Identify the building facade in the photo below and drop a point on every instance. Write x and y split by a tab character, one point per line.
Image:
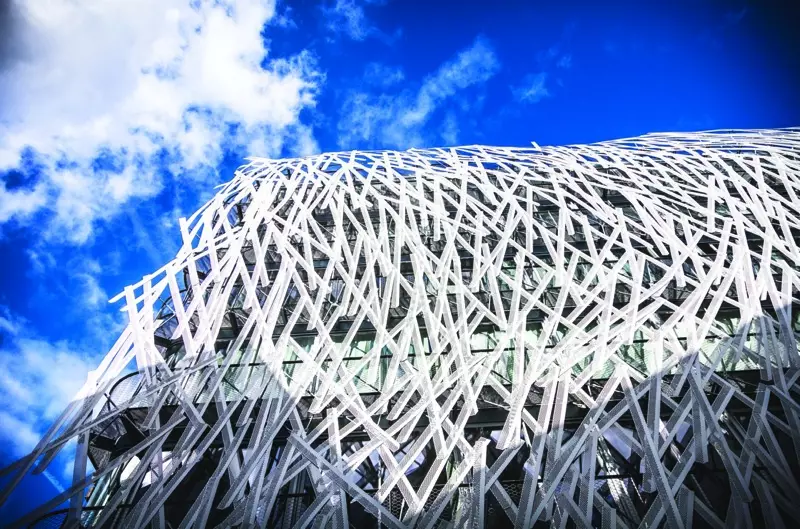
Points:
585	336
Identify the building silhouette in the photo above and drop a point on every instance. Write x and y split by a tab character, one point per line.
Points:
586	336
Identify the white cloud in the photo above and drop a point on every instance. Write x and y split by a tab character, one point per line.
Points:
400	119
450	129
76	281
37	380
532	89
284	19
93	294
8	322
20	202
18	434
139	80
382	75
347	17
472	66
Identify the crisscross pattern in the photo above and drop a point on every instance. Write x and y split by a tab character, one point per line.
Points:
602	335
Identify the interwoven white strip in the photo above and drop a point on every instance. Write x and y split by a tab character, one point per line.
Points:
461	337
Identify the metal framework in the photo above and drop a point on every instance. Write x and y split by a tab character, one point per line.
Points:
584	336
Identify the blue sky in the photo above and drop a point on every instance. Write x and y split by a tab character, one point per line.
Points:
117	118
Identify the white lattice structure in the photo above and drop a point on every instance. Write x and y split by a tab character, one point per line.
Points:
472	337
